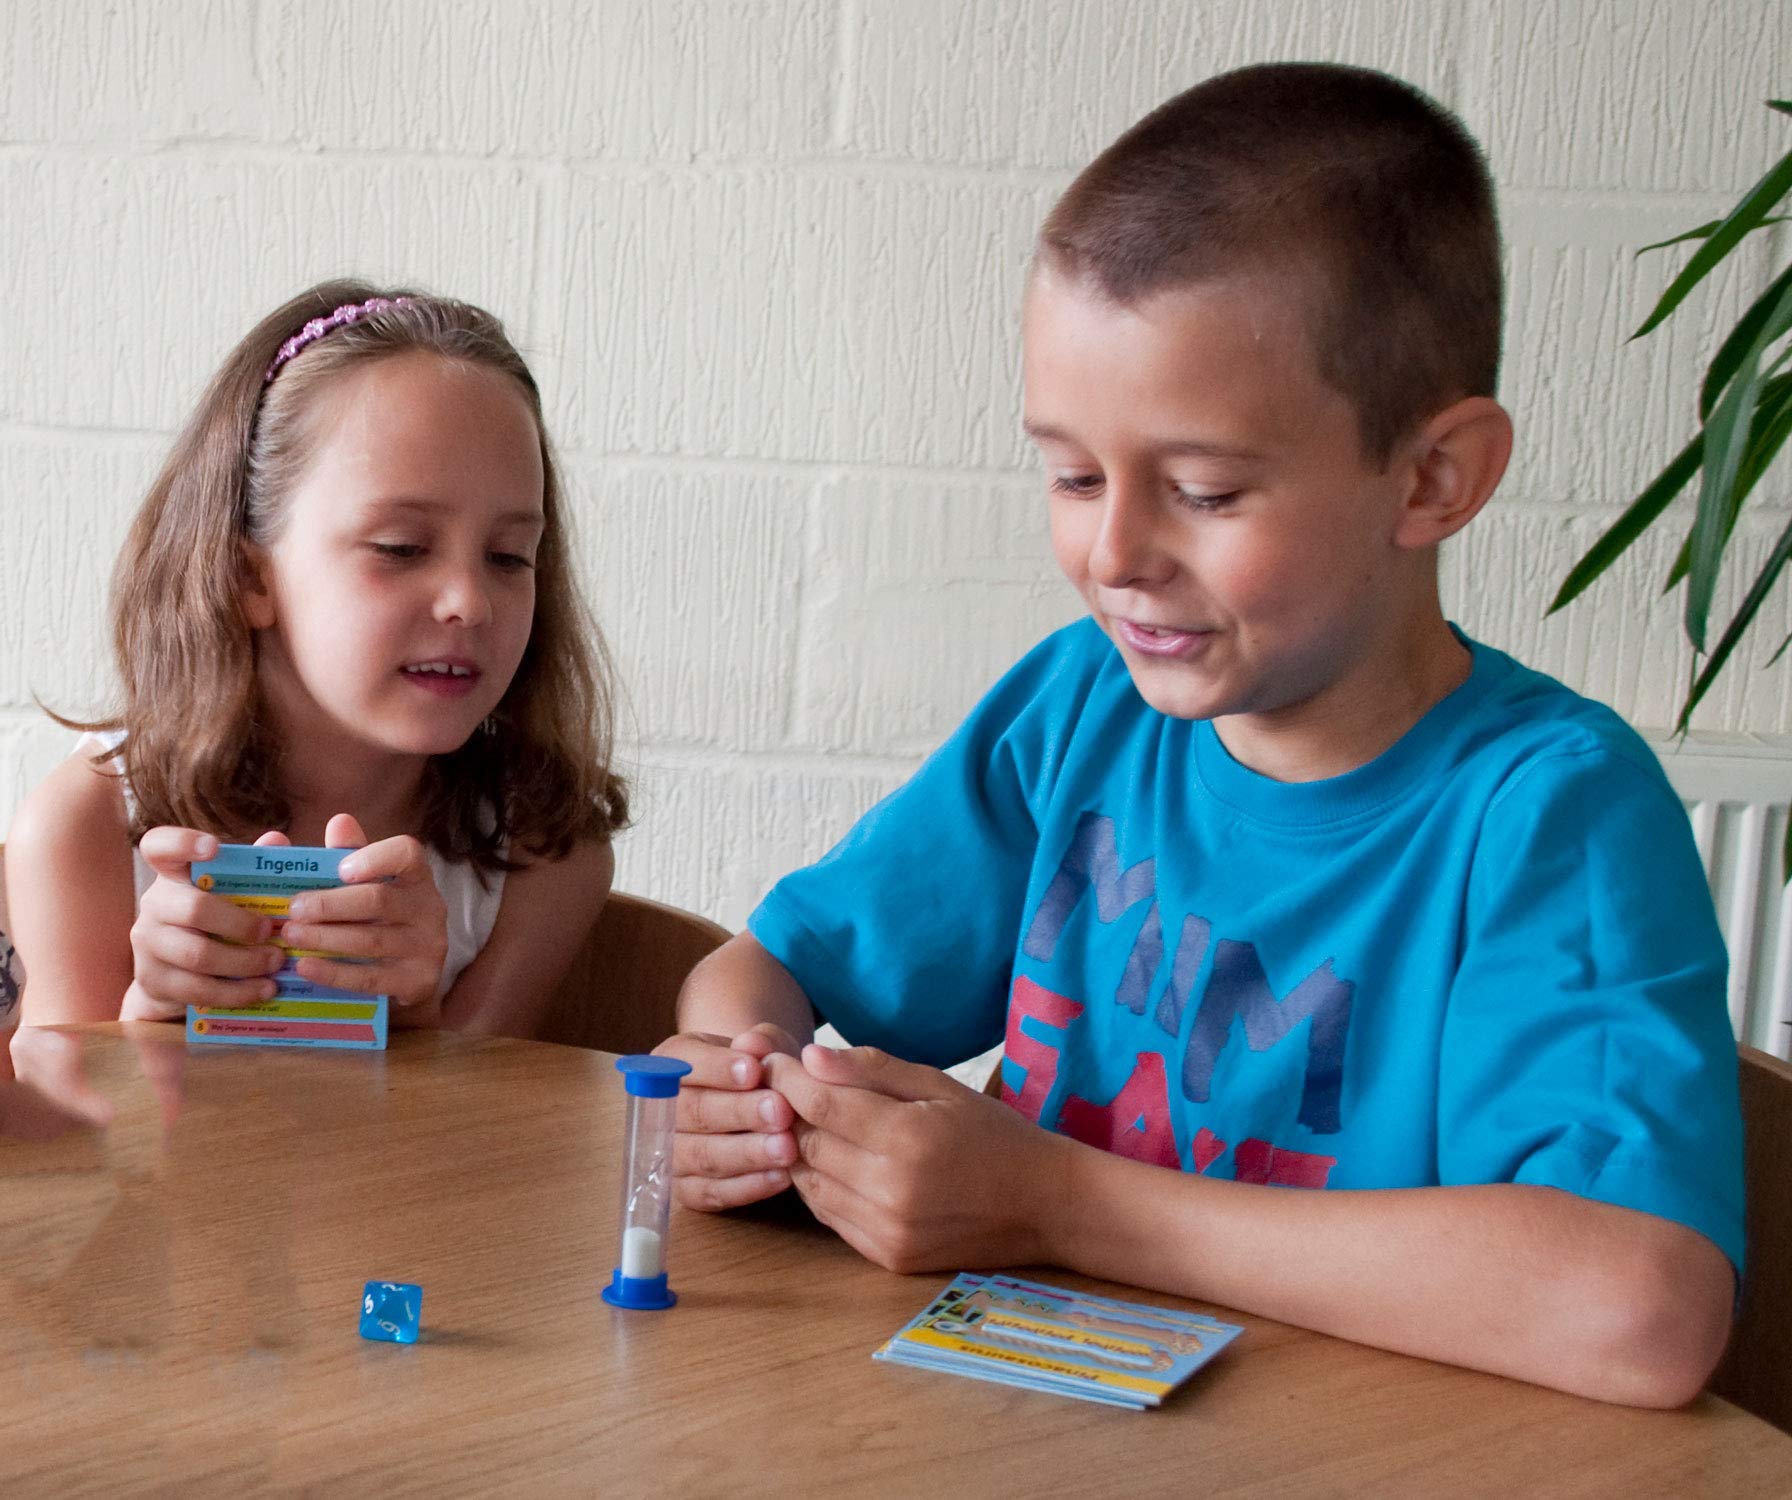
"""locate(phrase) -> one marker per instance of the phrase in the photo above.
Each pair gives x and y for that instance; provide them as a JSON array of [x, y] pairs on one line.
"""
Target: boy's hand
[[911, 1168], [734, 1144], [387, 913], [191, 947]]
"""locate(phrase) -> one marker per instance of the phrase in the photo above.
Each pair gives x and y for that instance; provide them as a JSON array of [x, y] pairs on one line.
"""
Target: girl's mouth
[[447, 677]]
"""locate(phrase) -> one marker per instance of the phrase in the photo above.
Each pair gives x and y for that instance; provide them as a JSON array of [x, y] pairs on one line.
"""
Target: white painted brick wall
[[766, 256]]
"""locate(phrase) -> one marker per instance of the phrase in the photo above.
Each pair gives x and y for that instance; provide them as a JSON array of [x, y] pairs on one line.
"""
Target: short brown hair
[[198, 750], [1357, 183]]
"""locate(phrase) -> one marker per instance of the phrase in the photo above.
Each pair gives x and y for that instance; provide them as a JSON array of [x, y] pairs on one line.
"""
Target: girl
[[344, 612]]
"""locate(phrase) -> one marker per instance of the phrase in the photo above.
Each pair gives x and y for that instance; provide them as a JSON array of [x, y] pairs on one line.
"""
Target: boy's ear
[[253, 590], [1458, 458]]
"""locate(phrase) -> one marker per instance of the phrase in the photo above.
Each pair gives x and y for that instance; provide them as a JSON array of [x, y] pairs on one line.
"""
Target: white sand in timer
[[641, 1256]]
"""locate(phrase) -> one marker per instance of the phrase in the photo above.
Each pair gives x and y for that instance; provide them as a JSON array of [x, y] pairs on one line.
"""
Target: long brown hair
[[198, 749]]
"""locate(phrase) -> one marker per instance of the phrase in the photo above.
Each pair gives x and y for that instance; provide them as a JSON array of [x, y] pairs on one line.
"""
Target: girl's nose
[[1128, 548], [461, 599]]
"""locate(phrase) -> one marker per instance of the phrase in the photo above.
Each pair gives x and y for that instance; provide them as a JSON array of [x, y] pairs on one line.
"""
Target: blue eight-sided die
[[391, 1310]]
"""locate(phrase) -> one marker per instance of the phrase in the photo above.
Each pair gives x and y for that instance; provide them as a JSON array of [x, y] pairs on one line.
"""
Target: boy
[[1267, 875]]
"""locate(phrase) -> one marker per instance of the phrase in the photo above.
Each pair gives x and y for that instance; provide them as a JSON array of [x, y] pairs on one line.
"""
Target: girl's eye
[[510, 562], [1202, 500], [398, 551], [1075, 484]]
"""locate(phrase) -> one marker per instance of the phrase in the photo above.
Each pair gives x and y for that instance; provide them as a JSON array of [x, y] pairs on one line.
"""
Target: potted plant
[[1745, 417]]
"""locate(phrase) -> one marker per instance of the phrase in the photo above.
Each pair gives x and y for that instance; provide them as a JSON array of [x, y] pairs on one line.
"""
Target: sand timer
[[639, 1279]]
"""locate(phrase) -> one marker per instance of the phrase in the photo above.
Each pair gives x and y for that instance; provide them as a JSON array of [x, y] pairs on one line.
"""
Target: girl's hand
[[388, 916], [188, 946]]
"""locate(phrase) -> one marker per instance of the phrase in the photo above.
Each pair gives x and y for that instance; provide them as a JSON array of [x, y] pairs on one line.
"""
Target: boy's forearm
[[1522, 1281], [739, 986]]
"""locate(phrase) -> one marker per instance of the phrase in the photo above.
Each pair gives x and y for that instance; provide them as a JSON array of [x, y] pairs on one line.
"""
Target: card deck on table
[[1046, 1338]]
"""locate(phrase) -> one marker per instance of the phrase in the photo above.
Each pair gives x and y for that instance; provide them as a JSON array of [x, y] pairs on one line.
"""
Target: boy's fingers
[[723, 1111], [874, 1069], [713, 1064], [834, 1156], [731, 1155], [716, 1194], [169, 851], [765, 1039], [855, 1113]]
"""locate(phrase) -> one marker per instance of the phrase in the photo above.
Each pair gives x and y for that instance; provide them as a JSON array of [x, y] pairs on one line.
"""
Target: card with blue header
[[264, 879]]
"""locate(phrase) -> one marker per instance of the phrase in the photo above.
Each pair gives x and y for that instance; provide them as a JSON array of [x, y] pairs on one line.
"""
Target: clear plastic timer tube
[[645, 1211]]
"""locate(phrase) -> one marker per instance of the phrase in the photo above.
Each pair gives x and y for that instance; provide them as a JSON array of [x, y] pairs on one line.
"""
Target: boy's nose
[[1127, 549]]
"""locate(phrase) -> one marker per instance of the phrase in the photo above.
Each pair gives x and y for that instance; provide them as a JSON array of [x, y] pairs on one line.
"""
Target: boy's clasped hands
[[911, 1168], [387, 924]]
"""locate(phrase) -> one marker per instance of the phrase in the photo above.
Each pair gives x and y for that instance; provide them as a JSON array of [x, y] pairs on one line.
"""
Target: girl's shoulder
[[78, 810]]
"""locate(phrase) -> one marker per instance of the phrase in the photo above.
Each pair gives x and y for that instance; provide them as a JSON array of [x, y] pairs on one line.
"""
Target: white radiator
[[1737, 789]]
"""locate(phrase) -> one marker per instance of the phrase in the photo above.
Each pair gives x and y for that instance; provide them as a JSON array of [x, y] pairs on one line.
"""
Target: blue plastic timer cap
[[651, 1077]]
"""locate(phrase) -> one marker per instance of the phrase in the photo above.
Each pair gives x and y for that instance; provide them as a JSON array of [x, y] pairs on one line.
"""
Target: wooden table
[[178, 1304]]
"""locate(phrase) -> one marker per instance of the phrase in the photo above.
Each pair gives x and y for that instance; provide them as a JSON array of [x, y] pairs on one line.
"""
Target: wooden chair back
[[1756, 1373], [621, 994]]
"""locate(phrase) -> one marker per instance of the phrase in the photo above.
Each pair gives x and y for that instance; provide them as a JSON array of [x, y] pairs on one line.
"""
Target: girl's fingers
[[182, 948], [399, 858], [174, 903], [723, 1111], [370, 940], [343, 831], [169, 851], [175, 987], [347, 903], [273, 838], [363, 979]]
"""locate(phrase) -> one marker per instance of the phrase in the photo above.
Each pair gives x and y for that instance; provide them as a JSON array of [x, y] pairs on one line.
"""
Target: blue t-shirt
[[1488, 955]]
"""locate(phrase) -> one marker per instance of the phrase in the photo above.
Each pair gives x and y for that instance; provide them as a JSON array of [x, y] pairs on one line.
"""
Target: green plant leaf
[[1637, 517], [1768, 430], [1726, 442], [1779, 653], [1733, 632], [1737, 342], [1756, 204], [1784, 106], [1704, 232]]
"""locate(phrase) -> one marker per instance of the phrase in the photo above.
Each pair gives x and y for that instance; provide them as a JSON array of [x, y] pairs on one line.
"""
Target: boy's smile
[[1211, 502]]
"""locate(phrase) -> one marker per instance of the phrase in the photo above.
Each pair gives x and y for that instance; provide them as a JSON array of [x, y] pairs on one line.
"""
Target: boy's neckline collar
[[1371, 785]]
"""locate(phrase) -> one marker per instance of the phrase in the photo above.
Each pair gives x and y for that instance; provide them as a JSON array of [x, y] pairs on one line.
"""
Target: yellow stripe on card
[[301, 1010], [1034, 1361], [268, 906]]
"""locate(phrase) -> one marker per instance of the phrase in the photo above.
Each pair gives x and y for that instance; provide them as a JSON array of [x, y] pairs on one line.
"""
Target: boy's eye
[[1204, 500], [1075, 484]]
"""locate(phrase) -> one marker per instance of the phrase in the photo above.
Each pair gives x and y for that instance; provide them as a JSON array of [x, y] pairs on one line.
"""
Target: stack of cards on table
[[264, 879], [1044, 1338]]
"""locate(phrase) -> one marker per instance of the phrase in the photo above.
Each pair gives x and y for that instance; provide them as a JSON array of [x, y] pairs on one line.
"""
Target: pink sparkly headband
[[349, 312]]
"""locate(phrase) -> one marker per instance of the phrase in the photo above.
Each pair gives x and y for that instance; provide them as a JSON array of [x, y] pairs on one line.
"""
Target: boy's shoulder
[[1532, 724]]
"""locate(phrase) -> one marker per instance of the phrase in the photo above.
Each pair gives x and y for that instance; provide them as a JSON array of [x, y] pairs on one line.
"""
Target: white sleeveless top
[[472, 904]]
